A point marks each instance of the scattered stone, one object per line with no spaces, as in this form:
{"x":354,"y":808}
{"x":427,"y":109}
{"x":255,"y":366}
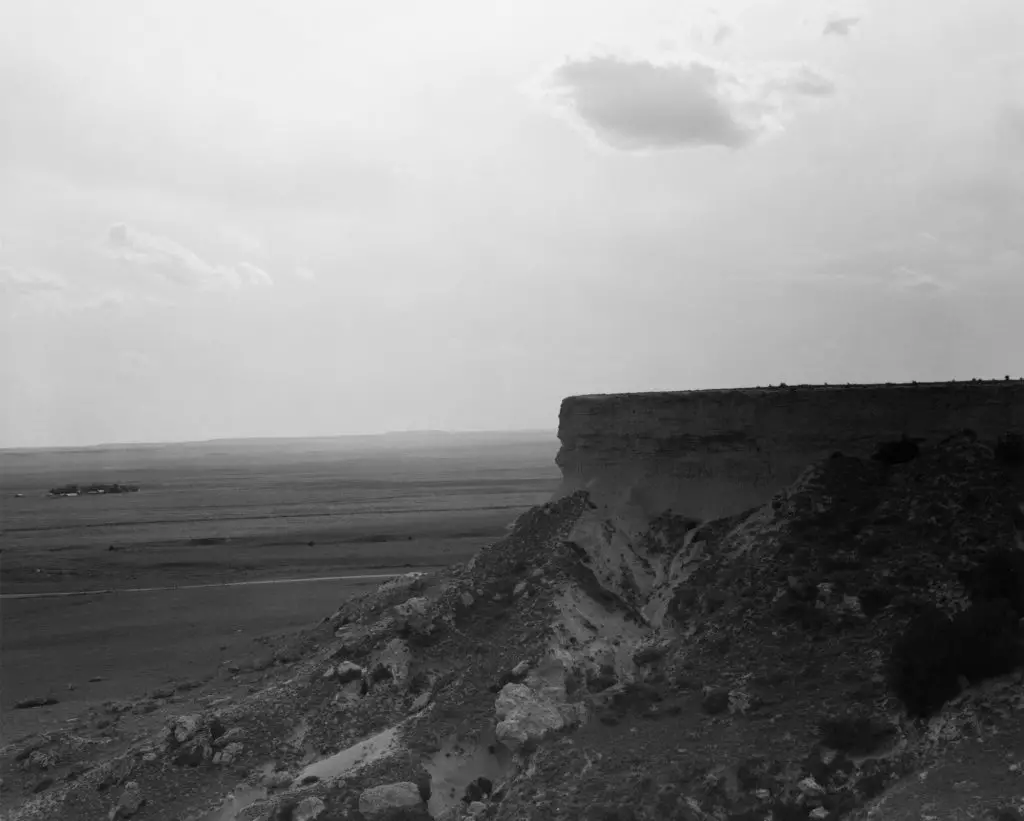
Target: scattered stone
{"x":650,"y":652}
{"x":129,"y":802}
{"x":519,"y":588}
{"x":28,"y":703}
{"x":94,"y":679}
{"x":378,"y":803}
{"x":467,"y":598}
{"x":354,"y":638}
{"x":348,"y":671}
{"x":478,"y":789}
{"x":277,"y":779}
{"x":185,"y":727}
{"x":392,"y":662}
{"x":231,"y":736}
{"x":524,"y":717}
{"x":414,"y":615}
{"x":308,"y":809}
{"x":421,"y":701}
{"x":43,"y":784}
{"x":229,"y":753}
{"x":477,"y":808}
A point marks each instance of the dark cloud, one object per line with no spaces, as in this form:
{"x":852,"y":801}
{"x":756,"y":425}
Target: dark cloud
{"x":840,"y":26}
{"x":641,"y":105}
{"x":637,"y":105}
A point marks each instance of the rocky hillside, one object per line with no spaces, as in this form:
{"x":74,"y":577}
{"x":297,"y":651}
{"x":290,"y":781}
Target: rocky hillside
{"x":848,"y":649}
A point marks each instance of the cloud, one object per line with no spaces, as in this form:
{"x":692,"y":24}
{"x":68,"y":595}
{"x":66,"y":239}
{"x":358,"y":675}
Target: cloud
{"x":252,"y":274}
{"x":176,"y":263}
{"x":840,"y":26}
{"x":912,"y":280}
{"x":722,"y":33}
{"x":25,"y":283}
{"x":639,"y":105}
{"x":806,"y":81}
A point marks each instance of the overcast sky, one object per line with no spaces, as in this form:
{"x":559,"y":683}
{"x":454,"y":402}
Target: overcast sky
{"x":257,"y":217}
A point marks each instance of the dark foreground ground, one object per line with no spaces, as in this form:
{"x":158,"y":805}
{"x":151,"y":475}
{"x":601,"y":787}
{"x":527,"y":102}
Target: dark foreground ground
{"x":223,"y":515}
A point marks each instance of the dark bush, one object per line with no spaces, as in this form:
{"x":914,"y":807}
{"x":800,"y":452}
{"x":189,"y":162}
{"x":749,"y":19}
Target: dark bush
{"x":986,"y":640}
{"x":854,"y":735}
{"x":874,"y":599}
{"x":929,"y":658}
{"x":897,"y":453}
{"x":999,"y":575}
{"x":1009,"y":450}
{"x":922,"y":668}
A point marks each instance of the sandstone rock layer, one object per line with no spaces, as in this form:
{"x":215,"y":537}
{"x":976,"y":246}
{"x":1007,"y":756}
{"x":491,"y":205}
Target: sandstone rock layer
{"x":712,"y":453}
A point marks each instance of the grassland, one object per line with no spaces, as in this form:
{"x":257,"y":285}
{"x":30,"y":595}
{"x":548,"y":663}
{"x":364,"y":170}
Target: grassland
{"x":227,"y":512}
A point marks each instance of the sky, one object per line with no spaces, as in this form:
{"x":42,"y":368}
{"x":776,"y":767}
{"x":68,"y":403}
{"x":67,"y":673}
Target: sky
{"x":236,"y":218}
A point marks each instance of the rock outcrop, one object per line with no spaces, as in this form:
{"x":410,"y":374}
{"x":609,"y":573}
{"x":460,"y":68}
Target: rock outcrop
{"x":712,"y":453}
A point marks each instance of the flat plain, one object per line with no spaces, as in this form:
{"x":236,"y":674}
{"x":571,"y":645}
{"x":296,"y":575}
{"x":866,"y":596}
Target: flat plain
{"x":226,"y":514}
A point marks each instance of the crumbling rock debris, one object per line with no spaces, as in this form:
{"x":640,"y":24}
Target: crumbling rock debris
{"x":347,"y":671}
{"x":414,"y":616}
{"x":392,"y":662}
{"x":389,"y":801}
{"x":524,"y":717}
{"x":129,"y":802}
{"x":308,"y":809}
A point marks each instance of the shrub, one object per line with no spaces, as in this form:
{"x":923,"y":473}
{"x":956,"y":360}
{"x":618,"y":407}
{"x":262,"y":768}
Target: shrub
{"x":898,"y":452}
{"x":986,"y":640}
{"x":999,"y":575}
{"x":922,"y":668}
{"x":927,"y":661}
{"x":854,"y":735}
{"x":1009,"y":450}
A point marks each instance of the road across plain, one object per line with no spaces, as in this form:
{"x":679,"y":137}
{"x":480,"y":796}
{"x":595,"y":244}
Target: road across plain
{"x":106,"y":590}
{"x":139,"y":642}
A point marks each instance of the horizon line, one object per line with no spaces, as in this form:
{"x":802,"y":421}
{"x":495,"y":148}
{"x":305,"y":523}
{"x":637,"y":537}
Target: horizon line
{"x":222,"y":439}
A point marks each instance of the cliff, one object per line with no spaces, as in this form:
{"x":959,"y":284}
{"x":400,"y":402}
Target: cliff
{"x":711,"y":453}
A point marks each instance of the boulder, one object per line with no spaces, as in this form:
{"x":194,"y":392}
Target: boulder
{"x":308,"y":809}
{"x":414,"y":615}
{"x":524,"y":717}
{"x":392,"y":662}
{"x":390,"y":800}
{"x":186,"y":727}
{"x":354,"y":638}
{"x":348,"y":671}
{"x":229,"y":753}
{"x":129,"y":802}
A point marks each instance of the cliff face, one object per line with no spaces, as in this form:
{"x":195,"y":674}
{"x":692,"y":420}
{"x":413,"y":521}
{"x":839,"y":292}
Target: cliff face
{"x":713,"y":453}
